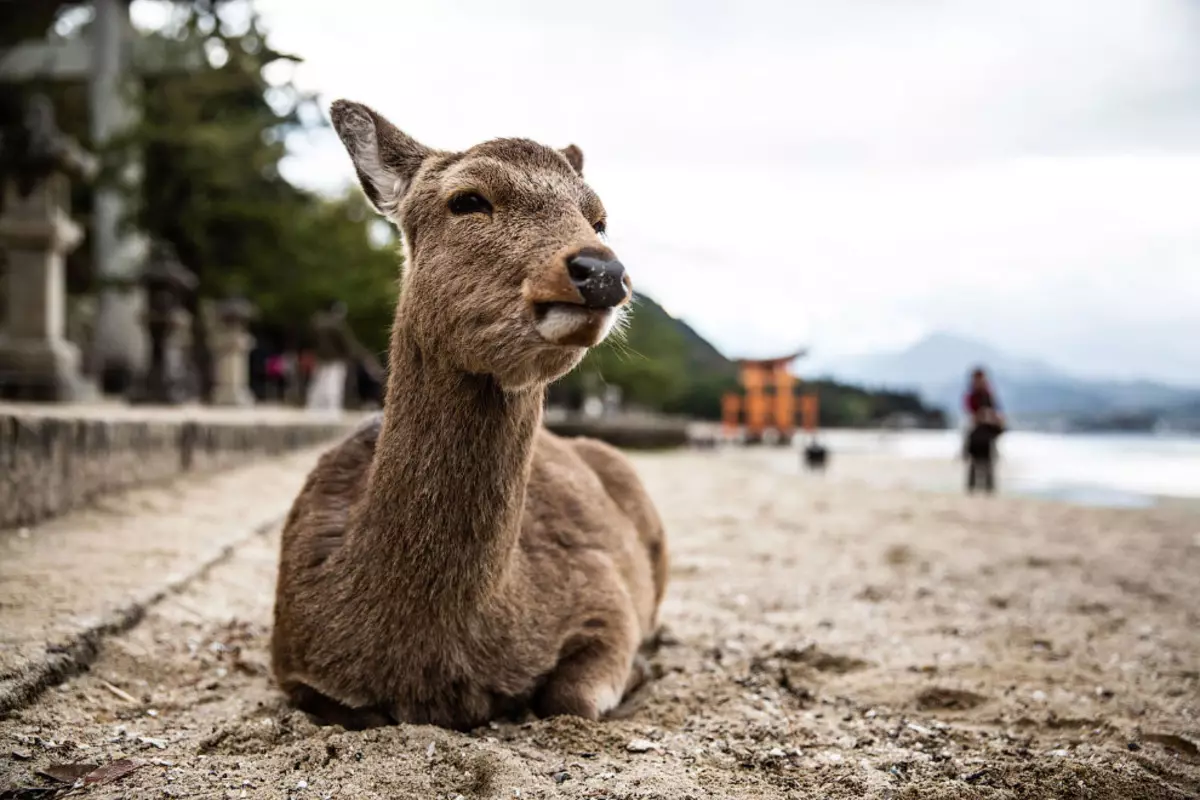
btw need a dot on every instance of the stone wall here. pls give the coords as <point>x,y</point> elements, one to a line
<point>51,464</point>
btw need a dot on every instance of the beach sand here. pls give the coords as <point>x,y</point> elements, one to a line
<point>825,637</point>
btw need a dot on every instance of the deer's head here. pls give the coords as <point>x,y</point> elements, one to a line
<point>506,271</point>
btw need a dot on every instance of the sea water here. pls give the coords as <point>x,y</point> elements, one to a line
<point>1114,470</point>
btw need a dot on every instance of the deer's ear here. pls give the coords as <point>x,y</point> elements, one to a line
<point>575,157</point>
<point>385,158</point>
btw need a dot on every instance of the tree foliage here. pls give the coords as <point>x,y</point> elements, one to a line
<point>212,142</point>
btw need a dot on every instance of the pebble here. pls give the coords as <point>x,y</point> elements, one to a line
<point>641,746</point>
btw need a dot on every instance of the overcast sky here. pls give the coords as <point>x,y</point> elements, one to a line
<point>847,175</point>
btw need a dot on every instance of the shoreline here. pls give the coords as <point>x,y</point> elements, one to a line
<point>927,461</point>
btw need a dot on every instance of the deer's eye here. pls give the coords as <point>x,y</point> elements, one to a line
<point>469,203</point>
<point>599,226</point>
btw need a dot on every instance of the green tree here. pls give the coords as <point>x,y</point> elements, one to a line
<point>212,143</point>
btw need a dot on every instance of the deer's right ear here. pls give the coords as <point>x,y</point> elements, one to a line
<point>385,158</point>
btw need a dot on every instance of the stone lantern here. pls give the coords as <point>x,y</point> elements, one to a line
<point>37,361</point>
<point>231,343</point>
<point>166,283</point>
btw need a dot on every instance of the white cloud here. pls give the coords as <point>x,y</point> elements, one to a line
<point>851,175</point>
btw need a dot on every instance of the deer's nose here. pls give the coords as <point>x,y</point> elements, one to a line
<point>600,281</point>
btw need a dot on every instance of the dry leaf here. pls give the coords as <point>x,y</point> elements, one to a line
<point>114,771</point>
<point>66,773</point>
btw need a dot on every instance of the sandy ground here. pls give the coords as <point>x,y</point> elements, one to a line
<point>824,639</point>
<point>66,583</point>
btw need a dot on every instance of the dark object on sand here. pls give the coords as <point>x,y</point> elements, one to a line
<point>816,456</point>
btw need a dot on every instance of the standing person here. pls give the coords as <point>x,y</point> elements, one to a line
<point>334,349</point>
<point>986,426</point>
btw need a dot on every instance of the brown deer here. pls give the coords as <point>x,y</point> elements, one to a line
<point>453,561</point>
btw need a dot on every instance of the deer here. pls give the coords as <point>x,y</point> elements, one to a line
<point>451,561</point>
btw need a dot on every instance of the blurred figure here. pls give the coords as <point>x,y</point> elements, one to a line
<point>986,425</point>
<point>334,350</point>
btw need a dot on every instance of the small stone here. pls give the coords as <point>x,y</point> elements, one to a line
<point>562,777</point>
<point>641,746</point>
<point>1039,696</point>
<point>1133,747</point>
<point>429,751</point>
<point>302,784</point>
<point>777,752</point>
<point>21,755</point>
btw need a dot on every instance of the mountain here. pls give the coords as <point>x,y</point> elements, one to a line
<point>663,364</point>
<point>699,352</point>
<point>938,366</point>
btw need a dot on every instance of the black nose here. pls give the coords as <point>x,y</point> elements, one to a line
<point>600,282</point>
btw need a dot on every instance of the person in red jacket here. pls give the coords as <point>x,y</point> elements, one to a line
<point>986,426</point>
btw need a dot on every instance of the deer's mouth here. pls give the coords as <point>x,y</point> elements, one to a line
<point>573,324</point>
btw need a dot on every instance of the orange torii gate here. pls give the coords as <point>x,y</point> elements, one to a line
<point>768,400</point>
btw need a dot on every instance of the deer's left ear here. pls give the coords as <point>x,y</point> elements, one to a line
<point>574,157</point>
<point>385,158</point>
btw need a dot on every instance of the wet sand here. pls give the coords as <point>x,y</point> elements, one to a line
<point>825,637</point>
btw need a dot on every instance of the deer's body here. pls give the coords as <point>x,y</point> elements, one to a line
<point>452,561</point>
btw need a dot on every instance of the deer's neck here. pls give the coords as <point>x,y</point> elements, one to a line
<point>442,512</point>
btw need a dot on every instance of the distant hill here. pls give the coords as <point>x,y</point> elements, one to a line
<point>663,364</point>
<point>938,366</point>
<point>701,354</point>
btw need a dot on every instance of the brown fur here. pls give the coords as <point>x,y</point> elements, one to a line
<point>452,561</point>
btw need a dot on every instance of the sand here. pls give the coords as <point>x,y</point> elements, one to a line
<point>823,639</point>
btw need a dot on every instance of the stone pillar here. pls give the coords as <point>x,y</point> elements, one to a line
<point>181,372</point>
<point>231,344</point>
<point>118,352</point>
<point>165,281</point>
<point>37,362</point>
<point>612,400</point>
